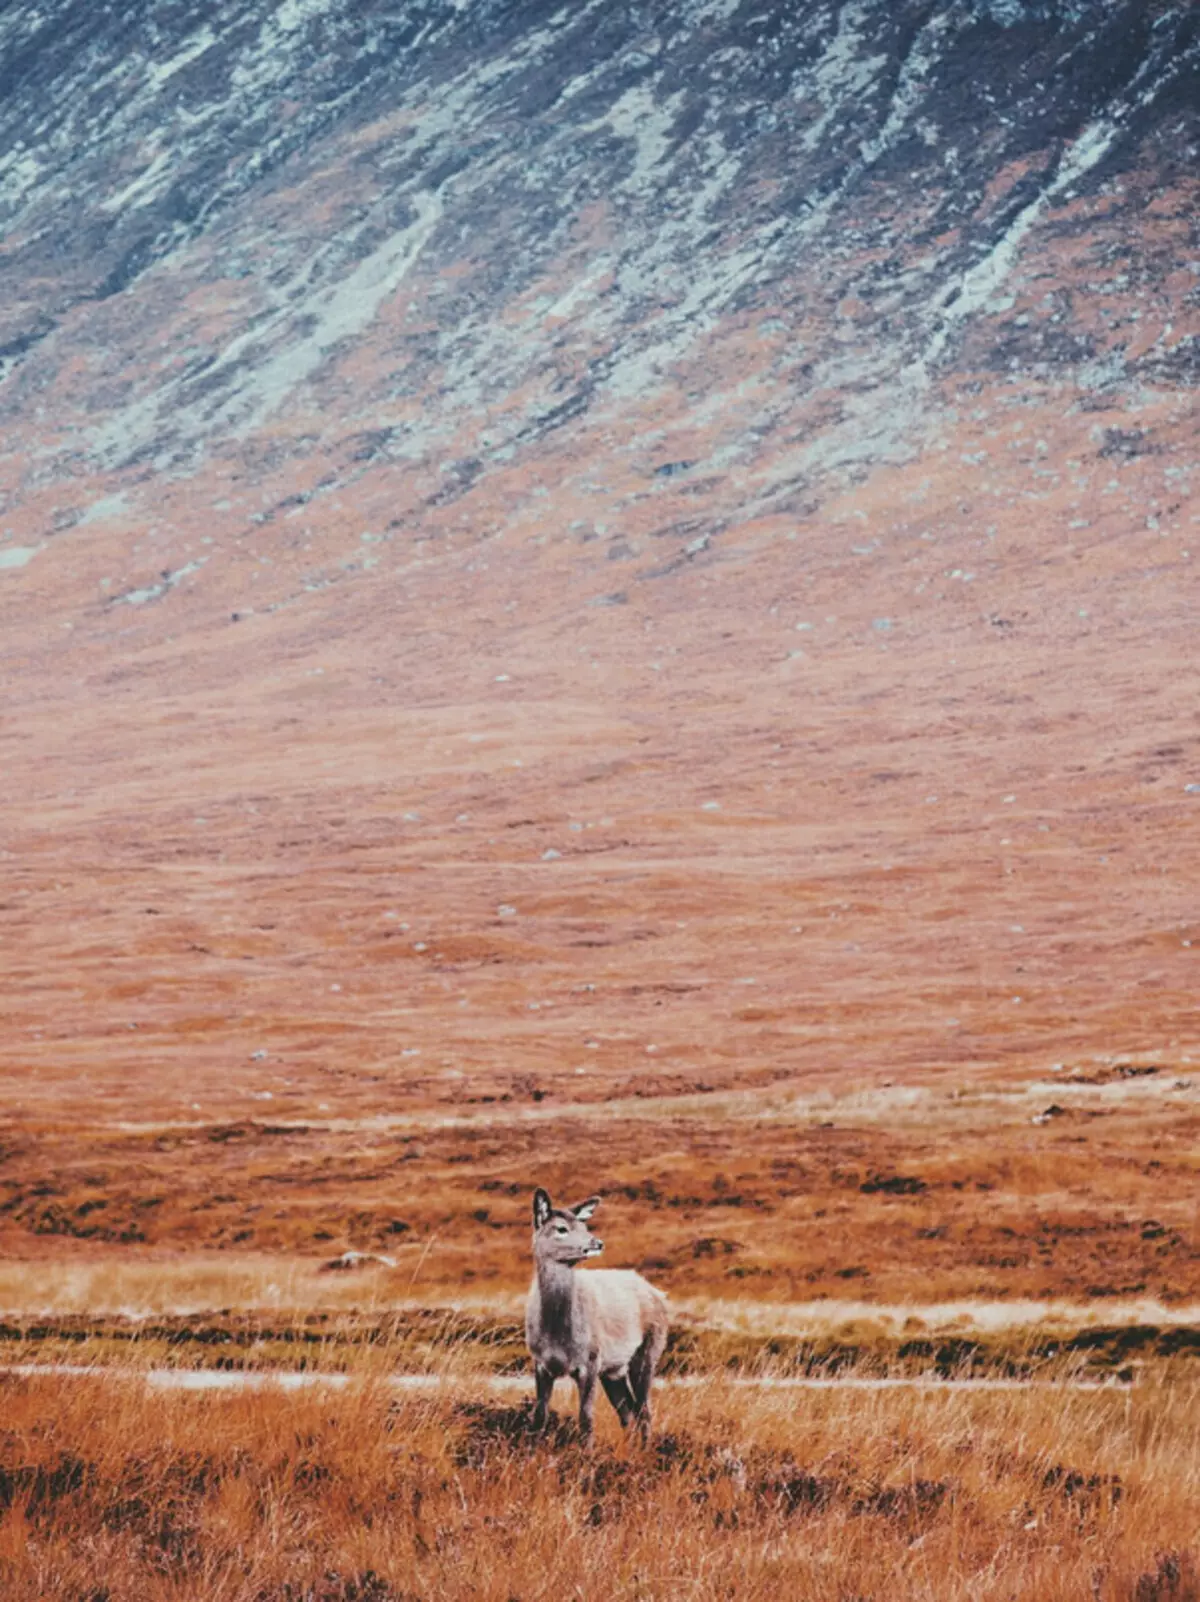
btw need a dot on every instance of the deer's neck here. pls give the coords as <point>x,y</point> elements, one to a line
<point>556,1290</point>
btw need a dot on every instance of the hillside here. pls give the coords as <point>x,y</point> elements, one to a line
<point>594,553</point>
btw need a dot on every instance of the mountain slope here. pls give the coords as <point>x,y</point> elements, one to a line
<point>692,501</point>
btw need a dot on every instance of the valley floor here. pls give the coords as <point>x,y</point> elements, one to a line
<point>935,1342</point>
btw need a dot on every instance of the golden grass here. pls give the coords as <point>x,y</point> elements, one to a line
<point>262,1315</point>
<point>196,1283</point>
<point>112,1493</point>
<point>878,1233</point>
<point>193,1285</point>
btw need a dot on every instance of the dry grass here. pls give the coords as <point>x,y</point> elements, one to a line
<point>112,1493</point>
<point>262,1316</point>
<point>943,1194</point>
<point>884,1231</point>
<point>191,1286</point>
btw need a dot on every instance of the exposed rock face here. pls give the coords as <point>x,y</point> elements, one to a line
<point>533,219</point>
<point>547,369</point>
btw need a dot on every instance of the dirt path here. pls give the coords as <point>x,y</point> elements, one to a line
<point>199,1379</point>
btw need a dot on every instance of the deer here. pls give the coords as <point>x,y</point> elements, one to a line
<point>606,1324</point>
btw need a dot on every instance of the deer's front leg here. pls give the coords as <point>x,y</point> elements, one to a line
<point>544,1381</point>
<point>587,1400</point>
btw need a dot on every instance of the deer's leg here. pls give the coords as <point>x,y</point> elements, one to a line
<point>586,1381</point>
<point>641,1377</point>
<point>616,1388</point>
<point>544,1381</point>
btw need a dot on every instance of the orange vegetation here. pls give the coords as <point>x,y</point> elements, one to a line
<point>109,1492</point>
<point>1082,1188</point>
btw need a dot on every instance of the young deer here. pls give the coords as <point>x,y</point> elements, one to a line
<point>608,1325</point>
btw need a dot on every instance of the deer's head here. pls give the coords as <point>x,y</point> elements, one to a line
<point>561,1234</point>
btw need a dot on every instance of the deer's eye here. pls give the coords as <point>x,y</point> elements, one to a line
<point>560,1229</point>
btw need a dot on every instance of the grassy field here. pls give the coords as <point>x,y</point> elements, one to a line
<point>812,1246</point>
<point>112,1492</point>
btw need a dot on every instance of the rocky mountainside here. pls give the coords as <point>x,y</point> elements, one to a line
<point>690,495</point>
<point>461,231</point>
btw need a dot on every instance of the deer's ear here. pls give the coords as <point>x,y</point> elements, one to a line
<point>541,1207</point>
<point>585,1209</point>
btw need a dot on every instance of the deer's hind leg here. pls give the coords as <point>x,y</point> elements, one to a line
<point>616,1388</point>
<point>641,1376</point>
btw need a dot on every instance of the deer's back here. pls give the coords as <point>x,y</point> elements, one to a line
<point>622,1306</point>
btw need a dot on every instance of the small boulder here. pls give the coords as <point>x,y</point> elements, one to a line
<point>1048,1114</point>
<point>349,1260</point>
